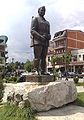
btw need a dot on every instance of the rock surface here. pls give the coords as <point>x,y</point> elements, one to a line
<point>41,97</point>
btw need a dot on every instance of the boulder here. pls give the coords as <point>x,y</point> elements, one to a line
<point>11,90</point>
<point>55,94</point>
<point>43,97</point>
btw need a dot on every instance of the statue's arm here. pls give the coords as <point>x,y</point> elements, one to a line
<point>34,29</point>
<point>47,35</point>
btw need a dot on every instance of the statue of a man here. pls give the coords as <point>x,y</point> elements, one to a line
<point>40,35</point>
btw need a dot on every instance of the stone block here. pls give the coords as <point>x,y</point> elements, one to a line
<point>41,97</point>
<point>39,78</point>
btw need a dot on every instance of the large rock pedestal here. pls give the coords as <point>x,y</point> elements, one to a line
<point>42,97</point>
<point>54,94</point>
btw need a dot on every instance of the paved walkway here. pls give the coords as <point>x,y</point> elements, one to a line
<point>68,112</point>
<point>80,88</point>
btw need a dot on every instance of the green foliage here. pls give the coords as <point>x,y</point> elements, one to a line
<point>53,60</point>
<point>12,112</point>
<point>80,99</point>
<point>1,68</point>
<point>56,60</point>
<point>11,79</point>
<point>67,58</point>
<point>28,66</point>
<point>76,79</point>
<point>13,66</point>
<point>56,75</point>
<point>80,84</point>
<point>1,88</point>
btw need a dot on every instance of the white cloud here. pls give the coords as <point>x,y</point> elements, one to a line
<point>9,10</point>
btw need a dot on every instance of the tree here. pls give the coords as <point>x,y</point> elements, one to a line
<point>66,59</point>
<point>28,66</point>
<point>10,67</point>
<point>54,60</point>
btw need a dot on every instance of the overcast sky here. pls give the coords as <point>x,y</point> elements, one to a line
<point>15,21</point>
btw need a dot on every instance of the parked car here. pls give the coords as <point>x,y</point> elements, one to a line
<point>24,73</point>
<point>70,74</point>
<point>22,78</point>
<point>65,74</point>
<point>81,75</point>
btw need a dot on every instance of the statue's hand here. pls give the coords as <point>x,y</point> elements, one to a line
<point>42,37</point>
<point>47,36</point>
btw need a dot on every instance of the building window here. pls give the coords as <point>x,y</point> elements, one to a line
<point>75,58</point>
<point>79,56</point>
<point>55,44</point>
<point>83,57</point>
<point>48,59</point>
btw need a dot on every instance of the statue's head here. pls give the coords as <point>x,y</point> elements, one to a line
<point>41,11</point>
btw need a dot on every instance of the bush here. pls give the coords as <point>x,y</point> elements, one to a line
<point>1,89</point>
<point>76,79</point>
<point>10,79</point>
<point>14,79</point>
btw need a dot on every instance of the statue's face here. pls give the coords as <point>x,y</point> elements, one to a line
<point>41,12</point>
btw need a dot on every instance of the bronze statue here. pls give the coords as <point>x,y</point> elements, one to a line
<point>40,36</point>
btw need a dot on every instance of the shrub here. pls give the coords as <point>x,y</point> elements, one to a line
<point>1,89</point>
<point>10,79</point>
<point>14,79</point>
<point>76,79</point>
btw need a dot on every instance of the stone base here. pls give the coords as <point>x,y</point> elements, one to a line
<point>39,78</point>
<point>41,97</point>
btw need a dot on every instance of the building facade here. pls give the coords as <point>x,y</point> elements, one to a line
<point>67,41</point>
<point>3,51</point>
<point>77,63</point>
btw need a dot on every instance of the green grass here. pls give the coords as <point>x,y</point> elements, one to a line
<point>1,89</point>
<point>80,99</point>
<point>12,112</point>
<point>80,84</point>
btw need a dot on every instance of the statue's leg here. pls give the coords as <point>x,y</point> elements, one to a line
<point>37,56</point>
<point>36,65</point>
<point>43,60</point>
